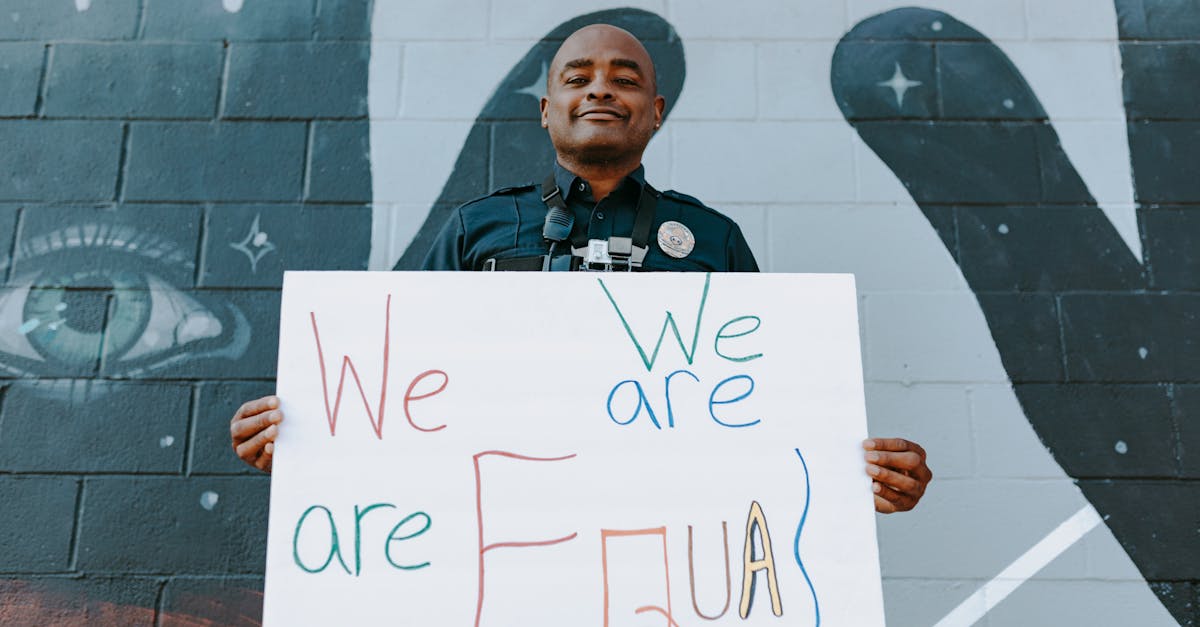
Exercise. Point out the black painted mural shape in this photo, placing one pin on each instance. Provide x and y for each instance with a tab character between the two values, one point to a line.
507	144
1103	351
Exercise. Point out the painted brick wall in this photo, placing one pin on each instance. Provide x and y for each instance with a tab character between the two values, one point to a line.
1011	181
164	163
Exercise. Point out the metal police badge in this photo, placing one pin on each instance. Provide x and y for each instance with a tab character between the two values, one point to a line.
676	239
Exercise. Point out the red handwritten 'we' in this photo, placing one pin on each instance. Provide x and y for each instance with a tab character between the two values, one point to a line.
376	417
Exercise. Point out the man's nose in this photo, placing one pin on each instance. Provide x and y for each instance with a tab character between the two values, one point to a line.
599	89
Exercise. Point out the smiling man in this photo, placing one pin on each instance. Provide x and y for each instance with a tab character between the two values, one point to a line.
601	109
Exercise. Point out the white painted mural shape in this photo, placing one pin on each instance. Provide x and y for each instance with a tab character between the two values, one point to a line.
673	448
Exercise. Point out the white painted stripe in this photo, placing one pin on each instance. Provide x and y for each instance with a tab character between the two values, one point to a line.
1036	558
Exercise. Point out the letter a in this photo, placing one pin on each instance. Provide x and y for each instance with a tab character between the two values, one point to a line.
751	566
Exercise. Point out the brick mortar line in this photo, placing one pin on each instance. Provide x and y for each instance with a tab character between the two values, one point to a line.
43	80
307	158
139	30
202	238
223	79
14	239
189	434
159	599
76	526
122	163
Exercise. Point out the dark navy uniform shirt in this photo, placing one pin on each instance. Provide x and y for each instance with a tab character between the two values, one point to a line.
507	224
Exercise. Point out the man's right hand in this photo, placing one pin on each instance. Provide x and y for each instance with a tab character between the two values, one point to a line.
253	431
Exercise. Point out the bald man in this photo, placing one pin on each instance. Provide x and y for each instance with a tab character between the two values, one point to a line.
601	108
596	211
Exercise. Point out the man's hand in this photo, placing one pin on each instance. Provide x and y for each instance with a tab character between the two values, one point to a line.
900	475
253	431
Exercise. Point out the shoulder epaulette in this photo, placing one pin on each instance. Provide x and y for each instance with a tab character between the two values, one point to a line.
499	192
691	200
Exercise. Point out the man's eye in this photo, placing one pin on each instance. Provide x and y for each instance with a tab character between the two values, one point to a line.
576	80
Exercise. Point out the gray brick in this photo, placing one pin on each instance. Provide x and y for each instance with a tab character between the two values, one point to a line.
102	247
1158	544
1152	85
1157	19
992	521
78	602
35	530
923	601
1172	236
208	19
1162	155
58	160
1181	598
1187	416
297	80
292	237
1007	96
527	139
938	337
1034	248
234	602
1136	416
935	416
134	80
42	19
20	73
1132	337
927	157
230	335
223	161
340	162
1005	443
126	428
167	528
1040	603
1030	321
344	19
211	448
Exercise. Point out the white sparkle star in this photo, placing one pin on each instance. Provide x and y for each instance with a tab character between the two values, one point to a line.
538	88
899	84
255	245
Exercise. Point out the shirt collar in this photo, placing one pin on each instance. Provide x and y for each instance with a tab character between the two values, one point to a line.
568	182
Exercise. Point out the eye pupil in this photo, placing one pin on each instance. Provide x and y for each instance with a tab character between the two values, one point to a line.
68	325
78	310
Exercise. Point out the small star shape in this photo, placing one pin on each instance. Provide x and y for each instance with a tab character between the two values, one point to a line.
899	84
255	245
537	89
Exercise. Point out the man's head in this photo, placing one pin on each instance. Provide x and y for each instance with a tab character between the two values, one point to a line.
602	104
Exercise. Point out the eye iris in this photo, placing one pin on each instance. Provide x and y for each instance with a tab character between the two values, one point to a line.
67	324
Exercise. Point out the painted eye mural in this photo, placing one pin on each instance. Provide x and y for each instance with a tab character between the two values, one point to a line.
166	162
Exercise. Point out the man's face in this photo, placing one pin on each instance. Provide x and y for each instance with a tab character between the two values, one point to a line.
601	103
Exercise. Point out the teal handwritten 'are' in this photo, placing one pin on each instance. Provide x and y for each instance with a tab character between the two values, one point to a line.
334	548
670	321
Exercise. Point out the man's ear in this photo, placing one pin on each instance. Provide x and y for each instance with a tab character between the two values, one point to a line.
660	105
545	103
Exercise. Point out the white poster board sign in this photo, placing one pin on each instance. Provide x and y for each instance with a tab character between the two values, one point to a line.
502	449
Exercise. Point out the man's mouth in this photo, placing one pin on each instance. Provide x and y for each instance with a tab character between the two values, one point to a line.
601	114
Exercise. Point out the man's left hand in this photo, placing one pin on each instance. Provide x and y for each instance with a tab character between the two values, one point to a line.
897	468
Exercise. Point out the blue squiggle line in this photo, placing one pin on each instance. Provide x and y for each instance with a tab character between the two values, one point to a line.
796	543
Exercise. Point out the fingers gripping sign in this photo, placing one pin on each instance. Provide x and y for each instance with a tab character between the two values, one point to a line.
899	473
253	430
